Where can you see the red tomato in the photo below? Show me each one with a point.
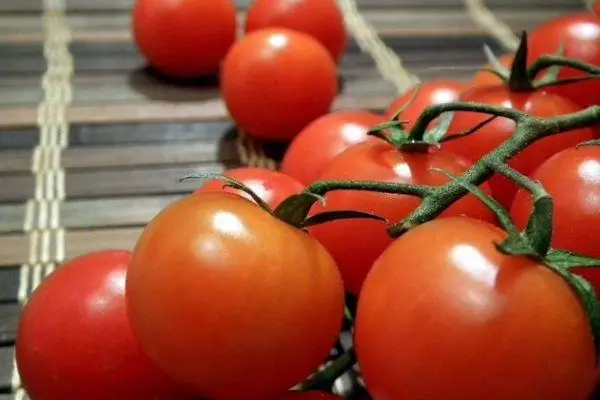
(445, 315)
(356, 244)
(325, 138)
(430, 93)
(580, 36)
(320, 19)
(232, 301)
(276, 81)
(308, 395)
(486, 78)
(271, 186)
(572, 177)
(184, 38)
(75, 341)
(596, 8)
(494, 133)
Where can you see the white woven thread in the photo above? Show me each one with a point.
(495, 27)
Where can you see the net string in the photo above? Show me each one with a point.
(497, 29)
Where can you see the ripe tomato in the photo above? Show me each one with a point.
(184, 38)
(445, 315)
(572, 177)
(320, 19)
(430, 93)
(580, 36)
(308, 395)
(75, 341)
(494, 133)
(325, 138)
(596, 8)
(232, 301)
(486, 78)
(276, 81)
(271, 186)
(380, 161)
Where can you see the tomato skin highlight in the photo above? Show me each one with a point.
(320, 19)
(294, 75)
(430, 93)
(272, 187)
(184, 38)
(324, 139)
(255, 304)
(579, 33)
(490, 136)
(572, 178)
(75, 340)
(380, 161)
(443, 314)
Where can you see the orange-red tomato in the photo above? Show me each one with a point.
(445, 315)
(579, 34)
(321, 19)
(430, 93)
(184, 38)
(572, 177)
(276, 81)
(231, 301)
(325, 138)
(75, 339)
(490, 136)
(271, 186)
(355, 244)
(486, 78)
(596, 8)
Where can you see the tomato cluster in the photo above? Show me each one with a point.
(238, 290)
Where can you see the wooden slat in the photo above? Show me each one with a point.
(9, 322)
(6, 367)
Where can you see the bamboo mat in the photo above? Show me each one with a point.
(92, 143)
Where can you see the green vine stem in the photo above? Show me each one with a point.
(545, 62)
(324, 379)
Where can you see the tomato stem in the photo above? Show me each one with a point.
(545, 62)
(322, 187)
(324, 379)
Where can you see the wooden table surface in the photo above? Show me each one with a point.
(88, 156)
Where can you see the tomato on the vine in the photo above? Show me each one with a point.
(320, 19)
(490, 136)
(325, 138)
(429, 93)
(271, 186)
(75, 341)
(579, 36)
(572, 178)
(184, 38)
(232, 301)
(276, 81)
(445, 315)
(487, 78)
(355, 244)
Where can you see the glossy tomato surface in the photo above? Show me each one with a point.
(308, 395)
(494, 133)
(271, 186)
(572, 178)
(356, 244)
(445, 315)
(325, 138)
(184, 38)
(232, 301)
(579, 35)
(75, 340)
(429, 93)
(276, 81)
(320, 19)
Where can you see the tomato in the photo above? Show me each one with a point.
(494, 133)
(325, 138)
(184, 38)
(580, 35)
(308, 395)
(486, 78)
(430, 93)
(232, 301)
(321, 19)
(355, 244)
(445, 315)
(75, 341)
(596, 8)
(271, 186)
(276, 81)
(572, 177)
